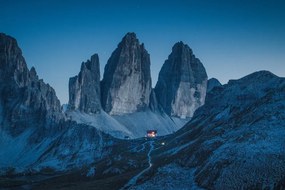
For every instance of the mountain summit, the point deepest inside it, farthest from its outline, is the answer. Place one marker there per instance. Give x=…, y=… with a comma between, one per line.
x=84, y=89
x=25, y=101
x=182, y=82
x=126, y=84
x=125, y=94
x=34, y=132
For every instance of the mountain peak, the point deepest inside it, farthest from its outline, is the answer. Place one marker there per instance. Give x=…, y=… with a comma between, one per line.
x=5, y=36
x=22, y=88
x=179, y=44
x=33, y=73
x=212, y=83
x=12, y=61
x=9, y=46
x=84, y=89
x=126, y=83
x=129, y=38
x=182, y=82
x=131, y=35
x=8, y=41
x=91, y=64
x=262, y=73
x=180, y=47
x=257, y=77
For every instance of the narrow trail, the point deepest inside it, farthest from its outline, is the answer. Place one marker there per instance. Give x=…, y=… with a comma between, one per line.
x=133, y=181
x=141, y=149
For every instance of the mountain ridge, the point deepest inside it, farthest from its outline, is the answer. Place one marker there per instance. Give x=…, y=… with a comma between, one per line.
x=126, y=93
x=235, y=140
x=182, y=82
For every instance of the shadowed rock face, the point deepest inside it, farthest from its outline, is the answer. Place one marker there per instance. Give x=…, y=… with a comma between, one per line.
x=126, y=85
x=182, y=82
x=25, y=100
x=212, y=83
x=234, y=141
x=84, y=89
x=33, y=129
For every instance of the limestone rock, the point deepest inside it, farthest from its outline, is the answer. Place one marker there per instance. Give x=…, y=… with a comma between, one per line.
x=84, y=89
x=182, y=82
x=25, y=100
x=126, y=85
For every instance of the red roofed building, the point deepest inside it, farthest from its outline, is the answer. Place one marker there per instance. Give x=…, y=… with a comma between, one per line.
x=151, y=133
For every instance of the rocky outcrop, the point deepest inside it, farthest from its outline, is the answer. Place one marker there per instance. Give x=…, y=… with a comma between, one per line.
x=34, y=134
x=84, y=89
x=126, y=94
x=212, y=83
x=25, y=100
x=182, y=82
x=126, y=85
x=239, y=122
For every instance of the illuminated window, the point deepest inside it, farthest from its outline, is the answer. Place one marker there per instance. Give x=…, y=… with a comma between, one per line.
x=151, y=133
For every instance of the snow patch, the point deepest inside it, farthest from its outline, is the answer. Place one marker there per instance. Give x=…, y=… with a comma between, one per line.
x=101, y=121
x=138, y=123
x=132, y=125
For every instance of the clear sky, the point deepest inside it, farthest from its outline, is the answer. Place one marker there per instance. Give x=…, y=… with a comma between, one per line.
x=232, y=38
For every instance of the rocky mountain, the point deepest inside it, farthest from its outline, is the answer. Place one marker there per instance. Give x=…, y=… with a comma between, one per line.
x=25, y=100
x=212, y=83
x=34, y=133
x=130, y=105
x=234, y=141
x=84, y=89
x=38, y=143
x=126, y=84
x=182, y=82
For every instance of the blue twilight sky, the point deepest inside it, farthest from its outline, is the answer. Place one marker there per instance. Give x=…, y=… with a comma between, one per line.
x=232, y=38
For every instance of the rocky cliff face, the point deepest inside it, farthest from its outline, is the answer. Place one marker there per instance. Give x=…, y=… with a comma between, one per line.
x=33, y=131
x=84, y=89
x=126, y=85
x=182, y=82
x=25, y=100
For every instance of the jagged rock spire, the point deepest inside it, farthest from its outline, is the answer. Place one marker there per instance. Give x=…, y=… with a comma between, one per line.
x=182, y=82
x=126, y=85
x=84, y=89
